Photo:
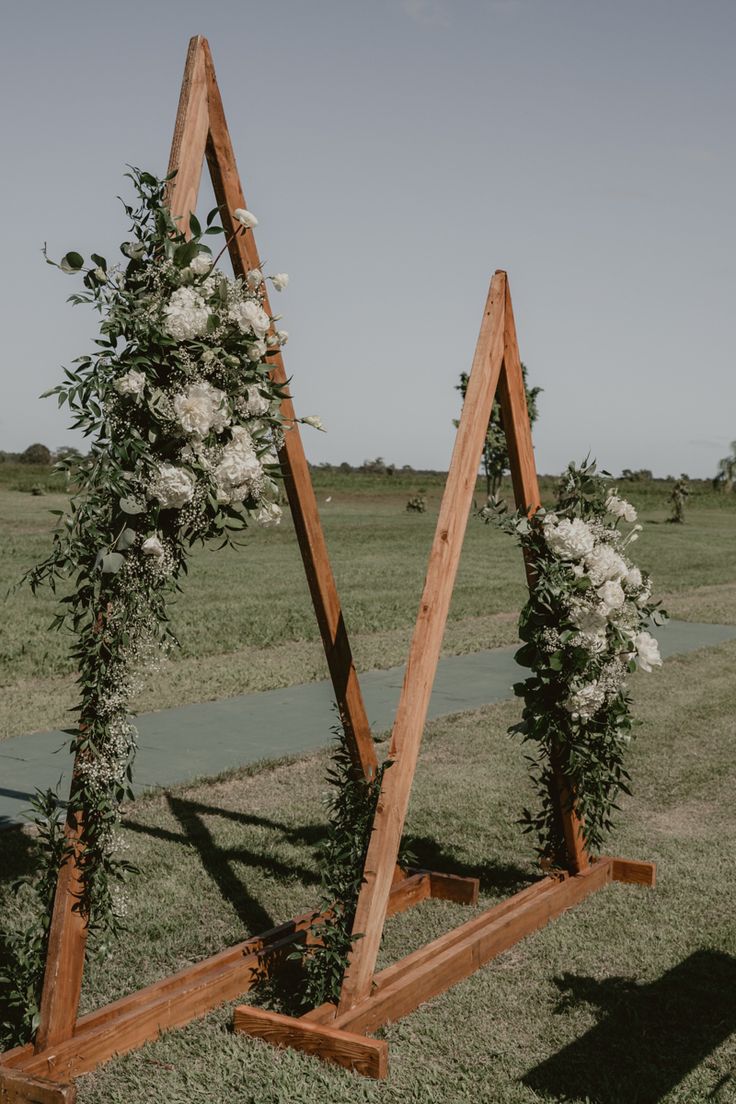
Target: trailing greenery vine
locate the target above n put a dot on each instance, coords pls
(184, 422)
(584, 630)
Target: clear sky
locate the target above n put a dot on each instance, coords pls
(396, 152)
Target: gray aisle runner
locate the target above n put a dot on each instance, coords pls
(194, 741)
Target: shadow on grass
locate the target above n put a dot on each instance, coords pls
(219, 862)
(17, 854)
(649, 1036)
(428, 854)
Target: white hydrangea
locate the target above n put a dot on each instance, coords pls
(603, 562)
(173, 487)
(239, 474)
(568, 539)
(201, 408)
(586, 700)
(132, 383)
(250, 317)
(647, 651)
(620, 508)
(201, 264)
(186, 315)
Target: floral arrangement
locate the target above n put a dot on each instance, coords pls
(185, 423)
(585, 629)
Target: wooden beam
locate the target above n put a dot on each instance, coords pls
(455, 956)
(638, 873)
(453, 887)
(342, 1048)
(20, 1088)
(517, 429)
(190, 136)
(298, 482)
(424, 654)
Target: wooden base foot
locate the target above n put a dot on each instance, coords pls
(21, 1088)
(343, 1048)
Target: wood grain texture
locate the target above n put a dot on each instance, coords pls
(342, 1048)
(21, 1088)
(62, 983)
(190, 136)
(454, 887)
(460, 953)
(298, 482)
(517, 428)
(424, 653)
(634, 871)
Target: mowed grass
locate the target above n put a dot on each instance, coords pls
(626, 999)
(245, 620)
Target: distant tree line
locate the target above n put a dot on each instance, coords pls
(38, 454)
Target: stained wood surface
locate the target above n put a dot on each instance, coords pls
(425, 649)
(62, 983)
(634, 871)
(190, 136)
(460, 953)
(20, 1088)
(343, 1048)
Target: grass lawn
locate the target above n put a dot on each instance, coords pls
(245, 621)
(627, 999)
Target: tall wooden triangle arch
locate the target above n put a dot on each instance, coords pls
(67, 1046)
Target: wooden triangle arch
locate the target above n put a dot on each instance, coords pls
(66, 1046)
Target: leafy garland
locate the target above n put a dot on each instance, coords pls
(184, 420)
(584, 630)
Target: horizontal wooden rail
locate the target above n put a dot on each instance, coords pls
(342, 1048)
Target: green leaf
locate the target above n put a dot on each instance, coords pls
(131, 507)
(125, 540)
(71, 262)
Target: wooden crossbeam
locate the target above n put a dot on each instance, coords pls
(343, 1048)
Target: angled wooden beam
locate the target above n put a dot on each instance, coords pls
(190, 136)
(425, 648)
(517, 429)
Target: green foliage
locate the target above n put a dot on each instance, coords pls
(36, 454)
(417, 504)
(495, 458)
(583, 630)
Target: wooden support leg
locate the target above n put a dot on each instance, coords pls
(21, 1088)
(343, 1048)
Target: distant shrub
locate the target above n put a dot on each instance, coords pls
(36, 454)
(417, 504)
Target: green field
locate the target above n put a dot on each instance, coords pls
(246, 623)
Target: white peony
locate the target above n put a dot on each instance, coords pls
(239, 474)
(280, 280)
(185, 315)
(254, 278)
(132, 383)
(201, 264)
(201, 408)
(647, 651)
(570, 540)
(612, 596)
(586, 700)
(603, 562)
(173, 487)
(256, 404)
(256, 350)
(250, 317)
(245, 218)
(152, 546)
(620, 508)
(633, 578)
(269, 514)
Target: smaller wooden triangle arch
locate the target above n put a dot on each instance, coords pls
(496, 370)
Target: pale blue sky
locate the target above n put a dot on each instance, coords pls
(397, 152)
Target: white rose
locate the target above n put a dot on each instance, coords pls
(173, 487)
(280, 280)
(603, 562)
(239, 474)
(611, 595)
(282, 336)
(254, 278)
(250, 316)
(132, 383)
(245, 218)
(201, 408)
(256, 350)
(314, 421)
(256, 404)
(647, 651)
(570, 540)
(152, 546)
(269, 514)
(186, 314)
(620, 508)
(201, 264)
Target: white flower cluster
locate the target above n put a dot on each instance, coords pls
(607, 613)
(202, 408)
(186, 314)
